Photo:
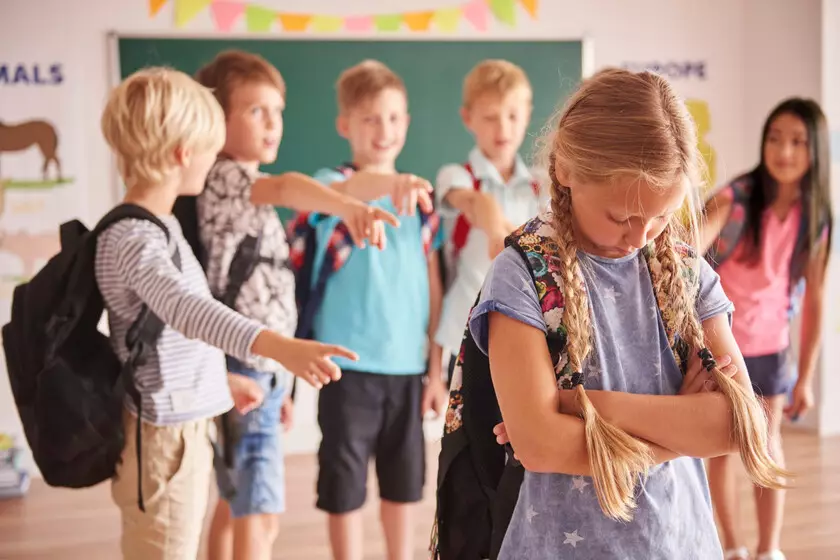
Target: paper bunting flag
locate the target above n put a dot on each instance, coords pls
(475, 12)
(358, 23)
(259, 19)
(418, 21)
(327, 23)
(155, 6)
(225, 14)
(389, 22)
(530, 7)
(295, 22)
(504, 10)
(447, 19)
(186, 10)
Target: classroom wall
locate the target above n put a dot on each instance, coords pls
(828, 388)
(731, 80)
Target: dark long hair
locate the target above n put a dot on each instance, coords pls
(815, 185)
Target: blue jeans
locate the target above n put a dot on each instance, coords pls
(258, 473)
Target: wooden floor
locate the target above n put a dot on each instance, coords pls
(51, 523)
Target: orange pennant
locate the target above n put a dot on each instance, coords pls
(295, 22)
(155, 6)
(418, 21)
(530, 7)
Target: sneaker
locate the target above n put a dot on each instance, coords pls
(741, 553)
(772, 555)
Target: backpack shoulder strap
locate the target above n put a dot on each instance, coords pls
(128, 211)
(462, 225)
(535, 242)
(733, 229)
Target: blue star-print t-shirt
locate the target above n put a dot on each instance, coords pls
(557, 516)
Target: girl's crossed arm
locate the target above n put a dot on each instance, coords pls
(547, 440)
(544, 439)
(695, 425)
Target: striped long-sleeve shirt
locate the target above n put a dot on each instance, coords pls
(184, 379)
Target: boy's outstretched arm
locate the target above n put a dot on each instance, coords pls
(483, 211)
(144, 262)
(304, 194)
(406, 191)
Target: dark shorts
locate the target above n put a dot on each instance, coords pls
(370, 415)
(771, 375)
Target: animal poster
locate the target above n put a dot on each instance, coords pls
(39, 168)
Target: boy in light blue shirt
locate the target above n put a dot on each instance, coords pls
(385, 304)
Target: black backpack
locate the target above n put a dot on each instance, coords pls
(478, 479)
(68, 384)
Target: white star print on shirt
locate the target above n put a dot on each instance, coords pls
(572, 538)
(593, 372)
(531, 513)
(611, 294)
(579, 483)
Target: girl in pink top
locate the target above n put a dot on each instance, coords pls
(768, 233)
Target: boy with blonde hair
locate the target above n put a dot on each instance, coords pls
(484, 199)
(385, 304)
(165, 130)
(246, 258)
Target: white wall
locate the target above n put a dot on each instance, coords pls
(749, 65)
(828, 395)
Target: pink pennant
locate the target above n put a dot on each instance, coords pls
(476, 13)
(358, 23)
(225, 14)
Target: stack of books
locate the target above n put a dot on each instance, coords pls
(14, 479)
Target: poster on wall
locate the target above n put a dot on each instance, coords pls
(686, 75)
(39, 168)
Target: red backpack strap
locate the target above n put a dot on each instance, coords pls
(462, 225)
(535, 186)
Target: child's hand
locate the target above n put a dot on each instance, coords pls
(287, 413)
(698, 380)
(366, 223)
(435, 397)
(247, 393)
(310, 361)
(409, 191)
(502, 436)
(801, 402)
(489, 215)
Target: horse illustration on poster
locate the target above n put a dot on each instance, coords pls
(22, 136)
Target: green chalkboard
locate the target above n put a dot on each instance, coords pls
(433, 72)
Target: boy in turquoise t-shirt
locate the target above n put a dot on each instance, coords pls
(385, 305)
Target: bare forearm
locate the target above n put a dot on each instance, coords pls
(298, 192)
(435, 362)
(367, 186)
(696, 425)
(810, 341)
(568, 454)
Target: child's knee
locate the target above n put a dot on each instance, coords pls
(266, 526)
(260, 527)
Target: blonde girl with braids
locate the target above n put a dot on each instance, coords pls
(614, 466)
